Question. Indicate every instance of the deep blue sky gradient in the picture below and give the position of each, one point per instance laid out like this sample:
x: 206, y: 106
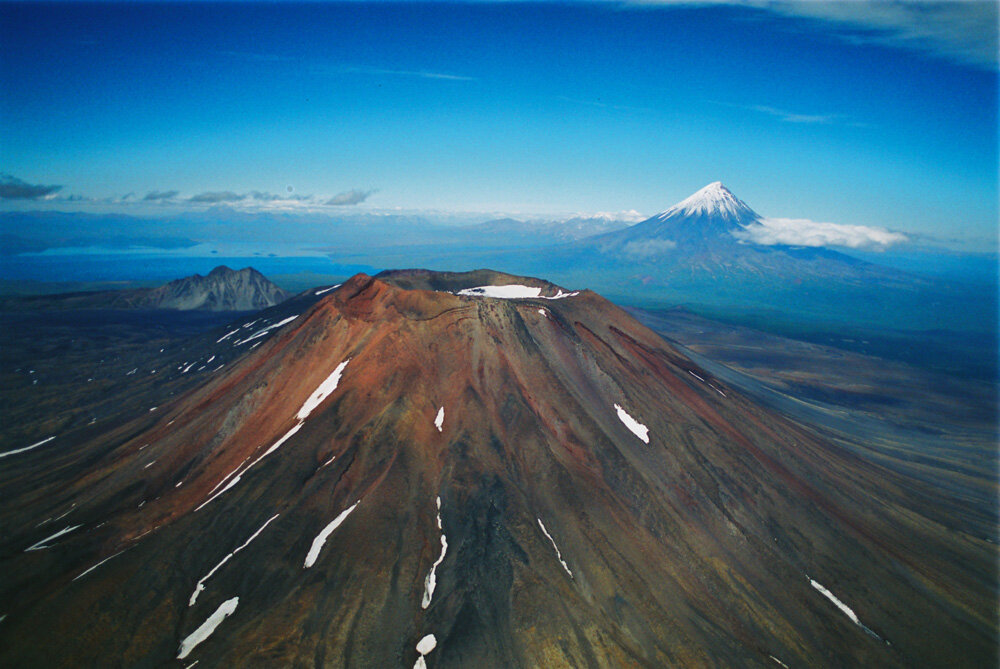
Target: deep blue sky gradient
x: 508, y: 107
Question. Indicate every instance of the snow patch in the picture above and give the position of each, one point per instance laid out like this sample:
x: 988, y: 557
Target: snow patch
x: 430, y: 582
x: 439, y: 419
x: 844, y: 608
x: 314, y: 400
x: 427, y: 644
x: 241, y: 470
x: 424, y: 646
x: 322, y: 392
x: 201, y: 584
x: 225, y: 610
x: 41, y: 544
x: 264, y: 331
x: 327, y: 290
x: 558, y: 554
x: 778, y: 661
x: 226, y: 336
x: 637, y: 428
x: 512, y: 291
x: 317, y: 544
x: 26, y: 448
x: 696, y: 376
x: 87, y: 571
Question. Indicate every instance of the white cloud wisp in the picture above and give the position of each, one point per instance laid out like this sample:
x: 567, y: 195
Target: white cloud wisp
x: 803, y: 232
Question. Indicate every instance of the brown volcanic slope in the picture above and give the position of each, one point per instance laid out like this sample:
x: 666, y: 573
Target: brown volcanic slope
x: 568, y: 540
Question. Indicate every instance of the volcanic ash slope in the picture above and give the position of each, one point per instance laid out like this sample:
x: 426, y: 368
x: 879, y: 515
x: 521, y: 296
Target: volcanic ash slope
x: 405, y: 476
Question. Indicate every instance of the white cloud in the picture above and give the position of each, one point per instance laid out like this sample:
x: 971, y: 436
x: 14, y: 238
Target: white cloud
x: 962, y: 31
x: 803, y: 232
x: 957, y: 30
x: 420, y: 74
x: 792, y: 117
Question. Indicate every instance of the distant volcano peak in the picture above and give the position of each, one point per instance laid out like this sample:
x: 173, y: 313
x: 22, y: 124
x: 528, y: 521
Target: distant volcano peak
x: 713, y: 200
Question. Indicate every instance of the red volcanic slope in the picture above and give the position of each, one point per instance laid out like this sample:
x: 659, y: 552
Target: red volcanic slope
x: 401, y: 462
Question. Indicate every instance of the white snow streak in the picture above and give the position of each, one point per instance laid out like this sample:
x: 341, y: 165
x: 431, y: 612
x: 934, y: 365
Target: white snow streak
x: 430, y: 582
x: 840, y: 605
x: 201, y: 584
x: 327, y: 290
x: 424, y: 646
x: 226, y: 336
x: 26, y: 448
x: 314, y: 400
x: 844, y: 608
x: 264, y: 331
x: 285, y: 437
x: 542, y: 312
x: 41, y: 544
x: 778, y: 661
x: 638, y: 429
x: 439, y: 419
x: 186, y: 369
x: 63, y: 515
x: 696, y: 376
x: 560, y: 295
x: 84, y: 573
x: 241, y: 470
x: 317, y: 544
x: 196, y: 637
x: 558, y: 554
x: 323, y: 391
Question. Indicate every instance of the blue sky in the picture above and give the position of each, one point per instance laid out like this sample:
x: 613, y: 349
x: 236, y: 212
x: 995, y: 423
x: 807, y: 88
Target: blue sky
x: 855, y: 114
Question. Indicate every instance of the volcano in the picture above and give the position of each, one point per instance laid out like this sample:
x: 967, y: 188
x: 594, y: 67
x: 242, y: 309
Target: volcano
x: 703, y: 240
x: 474, y: 470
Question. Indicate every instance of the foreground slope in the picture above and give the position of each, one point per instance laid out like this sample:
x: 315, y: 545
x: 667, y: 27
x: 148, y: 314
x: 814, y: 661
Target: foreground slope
x: 535, y: 481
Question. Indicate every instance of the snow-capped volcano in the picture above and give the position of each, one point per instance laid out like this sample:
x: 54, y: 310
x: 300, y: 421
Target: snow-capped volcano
x: 703, y: 240
x: 708, y: 217
x: 712, y: 200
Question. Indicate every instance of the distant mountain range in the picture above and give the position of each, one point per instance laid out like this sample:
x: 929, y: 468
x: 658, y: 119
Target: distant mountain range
x: 551, y: 232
